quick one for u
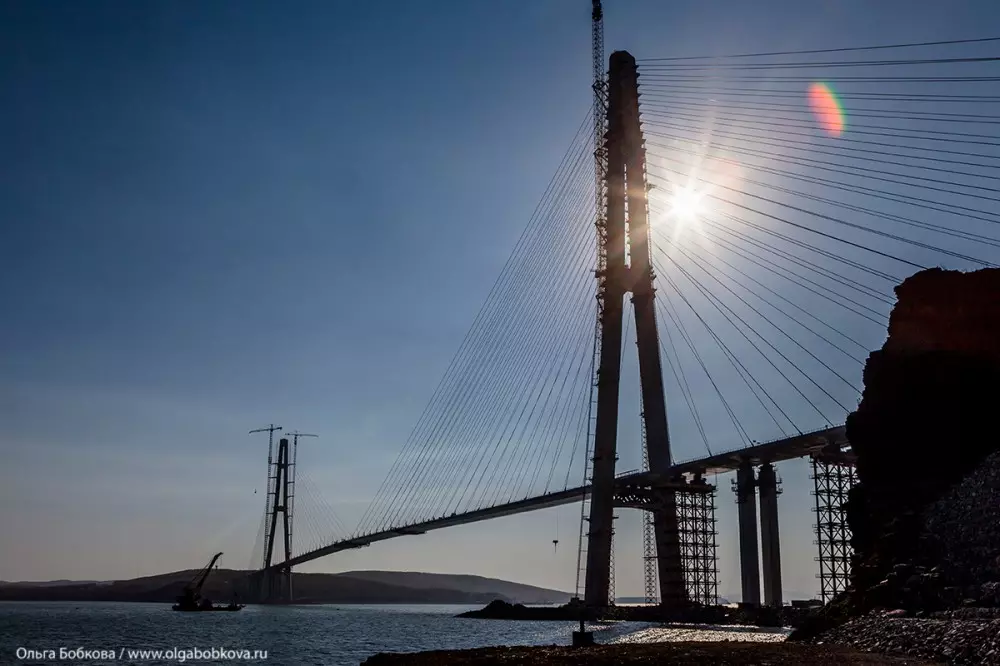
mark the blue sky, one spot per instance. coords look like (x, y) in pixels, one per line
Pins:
(221, 214)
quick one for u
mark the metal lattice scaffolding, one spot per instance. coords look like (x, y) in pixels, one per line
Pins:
(611, 564)
(272, 479)
(650, 582)
(696, 527)
(832, 480)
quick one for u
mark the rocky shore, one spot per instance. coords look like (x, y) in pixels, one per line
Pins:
(946, 639)
(649, 654)
(760, 617)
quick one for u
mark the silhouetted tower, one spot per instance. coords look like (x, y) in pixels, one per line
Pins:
(269, 494)
(280, 586)
(622, 273)
(274, 581)
(290, 487)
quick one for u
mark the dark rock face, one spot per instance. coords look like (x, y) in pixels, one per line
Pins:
(927, 429)
(925, 514)
(925, 422)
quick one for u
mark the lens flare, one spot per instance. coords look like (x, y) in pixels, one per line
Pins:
(685, 204)
(827, 109)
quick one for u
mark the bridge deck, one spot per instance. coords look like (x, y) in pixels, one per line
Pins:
(788, 448)
(798, 446)
(531, 504)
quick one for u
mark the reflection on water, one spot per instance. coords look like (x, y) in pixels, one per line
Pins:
(703, 632)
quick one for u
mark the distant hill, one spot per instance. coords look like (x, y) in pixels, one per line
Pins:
(381, 587)
(515, 592)
(45, 583)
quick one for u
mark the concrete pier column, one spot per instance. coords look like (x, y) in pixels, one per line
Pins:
(770, 548)
(746, 500)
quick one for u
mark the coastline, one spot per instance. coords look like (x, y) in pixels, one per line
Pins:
(683, 653)
(681, 643)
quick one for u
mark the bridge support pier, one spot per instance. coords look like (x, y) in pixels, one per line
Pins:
(770, 547)
(694, 503)
(746, 500)
(271, 586)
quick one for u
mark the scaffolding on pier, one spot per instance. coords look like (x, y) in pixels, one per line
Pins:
(832, 480)
(696, 527)
(650, 582)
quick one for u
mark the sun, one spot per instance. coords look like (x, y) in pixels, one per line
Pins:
(686, 204)
(686, 209)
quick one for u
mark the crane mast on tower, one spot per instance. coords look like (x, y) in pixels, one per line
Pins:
(600, 96)
(271, 478)
(600, 179)
(600, 113)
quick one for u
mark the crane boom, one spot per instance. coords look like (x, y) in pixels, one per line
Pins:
(198, 581)
(191, 599)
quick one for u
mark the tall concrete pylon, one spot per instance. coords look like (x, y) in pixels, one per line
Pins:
(626, 191)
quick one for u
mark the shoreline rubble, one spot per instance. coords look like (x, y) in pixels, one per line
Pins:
(650, 654)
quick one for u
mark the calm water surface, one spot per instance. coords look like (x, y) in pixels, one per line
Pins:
(330, 634)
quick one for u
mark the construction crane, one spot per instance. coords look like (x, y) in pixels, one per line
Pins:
(600, 90)
(191, 599)
(271, 477)
(597, 34)
(599, 112)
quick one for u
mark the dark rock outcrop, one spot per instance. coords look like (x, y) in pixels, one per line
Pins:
(924, 515)
(761, 617)
(925, 422)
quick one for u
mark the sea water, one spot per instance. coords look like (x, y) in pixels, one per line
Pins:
(335, 634)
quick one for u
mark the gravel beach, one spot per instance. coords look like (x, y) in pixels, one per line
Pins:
(683, 654)
(952, 641)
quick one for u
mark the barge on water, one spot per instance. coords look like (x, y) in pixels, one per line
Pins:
(190, 600)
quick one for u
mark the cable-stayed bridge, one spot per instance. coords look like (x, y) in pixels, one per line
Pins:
(740, 222)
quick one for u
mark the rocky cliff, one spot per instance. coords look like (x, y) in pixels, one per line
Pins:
(925, 514)
(927, 420)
